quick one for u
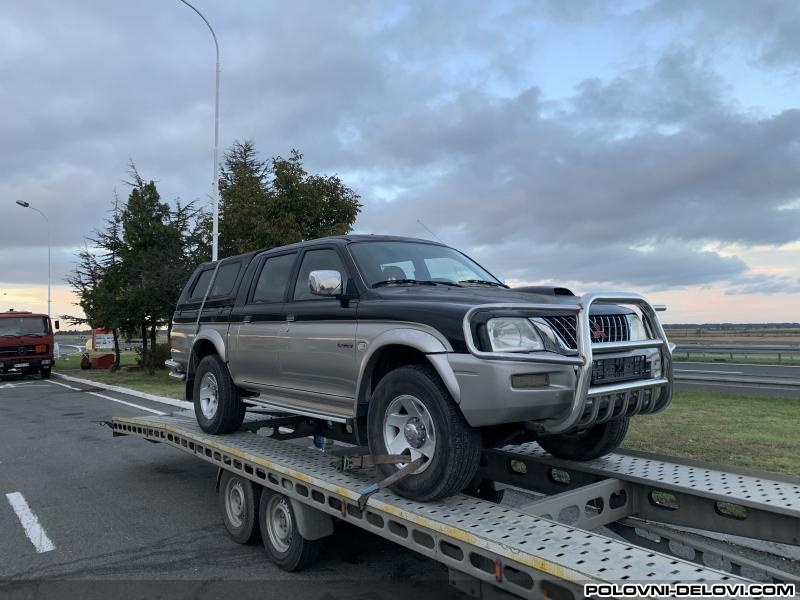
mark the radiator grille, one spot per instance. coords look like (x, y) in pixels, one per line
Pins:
(604, 328)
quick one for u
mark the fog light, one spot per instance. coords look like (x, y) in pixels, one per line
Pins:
(531, 380)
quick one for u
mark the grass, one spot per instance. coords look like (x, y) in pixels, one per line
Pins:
(787, 336)
(159, 383)
(753, 432)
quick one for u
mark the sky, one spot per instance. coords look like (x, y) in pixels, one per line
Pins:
(647, 146)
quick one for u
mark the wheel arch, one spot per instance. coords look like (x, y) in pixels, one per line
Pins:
(399, 347)
(205, 344)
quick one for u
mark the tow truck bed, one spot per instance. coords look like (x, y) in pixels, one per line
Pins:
(487, 546)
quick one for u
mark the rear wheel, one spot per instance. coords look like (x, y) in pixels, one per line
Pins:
(588, 444)
(45, 372)
(239, 501)
(286, 547)
(412, 413)
(218, 403)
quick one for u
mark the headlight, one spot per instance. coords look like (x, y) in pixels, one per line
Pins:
(513, 334)
(636, 328)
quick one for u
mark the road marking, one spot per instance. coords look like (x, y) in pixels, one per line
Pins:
(716, 372)
(13, 385)
(65, 385)
(30, 523)
(157, 412)
(780, 366)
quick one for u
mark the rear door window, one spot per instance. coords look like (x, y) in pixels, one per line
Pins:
(225, 280)
(274, 278)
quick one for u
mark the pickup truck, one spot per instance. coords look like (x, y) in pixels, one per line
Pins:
(416, 350)
(26, 344)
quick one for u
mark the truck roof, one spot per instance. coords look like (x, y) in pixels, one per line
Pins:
(337, 239)
(24, 313)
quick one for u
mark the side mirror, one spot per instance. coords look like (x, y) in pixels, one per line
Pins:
(57, 324)
(325, 283)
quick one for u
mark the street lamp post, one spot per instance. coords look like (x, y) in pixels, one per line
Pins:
(24, 204)
(215, 191)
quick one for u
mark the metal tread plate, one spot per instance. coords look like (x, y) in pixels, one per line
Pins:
(759, 492)
(560, 551)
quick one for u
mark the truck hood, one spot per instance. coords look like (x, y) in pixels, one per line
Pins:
(477, 294)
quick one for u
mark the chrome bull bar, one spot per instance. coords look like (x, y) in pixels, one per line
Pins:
(588, 402)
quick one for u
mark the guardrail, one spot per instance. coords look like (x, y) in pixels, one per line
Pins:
(731, 351)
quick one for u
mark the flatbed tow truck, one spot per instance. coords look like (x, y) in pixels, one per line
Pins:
(549, 547)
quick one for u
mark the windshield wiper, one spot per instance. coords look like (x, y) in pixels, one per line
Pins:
(404, 282)
(33, 334)
(484, 282)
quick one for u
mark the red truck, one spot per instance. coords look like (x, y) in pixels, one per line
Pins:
(26, 343)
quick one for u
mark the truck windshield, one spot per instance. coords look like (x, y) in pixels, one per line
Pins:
(15, 326)
(415, 262)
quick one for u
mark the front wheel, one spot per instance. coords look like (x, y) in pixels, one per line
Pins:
(45, 372)
(588, 444)
(218, 403)
(412, 413)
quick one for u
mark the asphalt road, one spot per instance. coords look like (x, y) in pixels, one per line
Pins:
(130, 519)
(715, 369)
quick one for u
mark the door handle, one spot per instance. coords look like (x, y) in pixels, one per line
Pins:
(290, 318)
(247, 319)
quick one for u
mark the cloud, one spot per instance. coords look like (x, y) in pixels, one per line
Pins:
(562, 141)
(764, 284)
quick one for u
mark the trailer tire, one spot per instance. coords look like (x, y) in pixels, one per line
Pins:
(45, 372)
(239, 503)
(218, 402)
(282, 540)
(589, 444)
(440, 431)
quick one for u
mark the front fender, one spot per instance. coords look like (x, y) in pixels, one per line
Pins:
(428, 341)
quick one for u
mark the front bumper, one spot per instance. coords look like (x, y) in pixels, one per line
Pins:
(567, 400)
(23, 365)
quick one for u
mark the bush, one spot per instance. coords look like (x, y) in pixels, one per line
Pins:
(162, 352)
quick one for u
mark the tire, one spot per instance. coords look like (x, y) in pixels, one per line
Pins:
(285, 546)
(239, 503)
(45, 372)
(415, 393)
(588, 444)
(218, 403)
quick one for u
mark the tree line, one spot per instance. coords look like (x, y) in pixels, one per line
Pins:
(129, 274)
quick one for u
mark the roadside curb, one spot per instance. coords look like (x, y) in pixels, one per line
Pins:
(127, 391)
(743, 379)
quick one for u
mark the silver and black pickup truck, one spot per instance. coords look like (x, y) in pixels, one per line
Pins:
(413, 348)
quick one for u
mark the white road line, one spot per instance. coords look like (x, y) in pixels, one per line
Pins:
(745, 386)
(69, 387)
(716, 372)
(158, 412)
(30, 523)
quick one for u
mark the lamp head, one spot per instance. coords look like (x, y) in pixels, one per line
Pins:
(23, 204)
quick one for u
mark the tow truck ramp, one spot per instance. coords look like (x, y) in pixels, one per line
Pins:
(495, 551)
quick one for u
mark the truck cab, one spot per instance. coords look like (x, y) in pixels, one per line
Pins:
(26, 344)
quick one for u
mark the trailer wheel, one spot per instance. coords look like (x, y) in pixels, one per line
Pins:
(45, 372)
(239, 501)
(218, 403)
(286, 547)
(588, 444)
(411, 412)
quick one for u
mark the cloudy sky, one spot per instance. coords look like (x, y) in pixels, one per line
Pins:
(649, 146)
